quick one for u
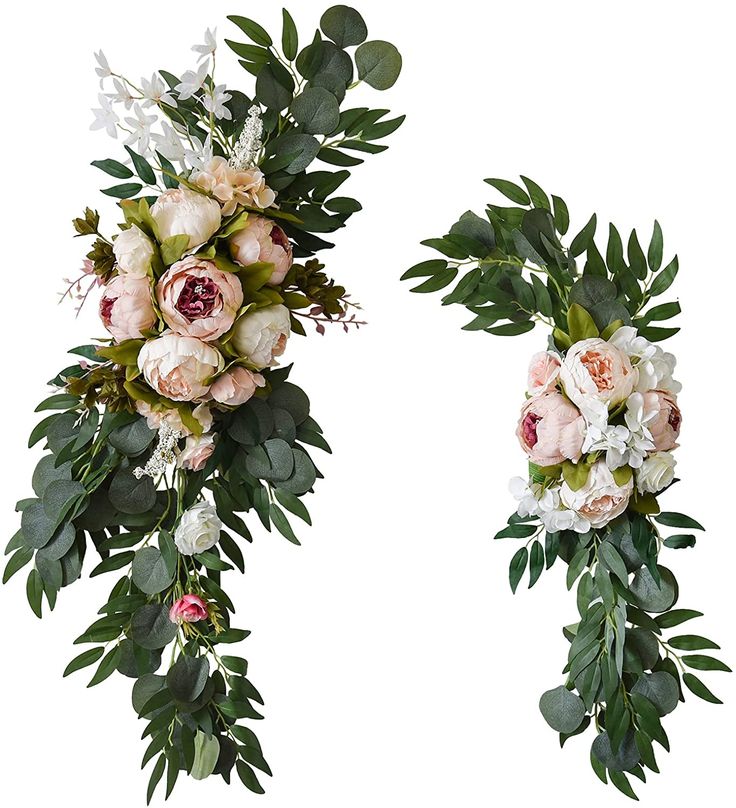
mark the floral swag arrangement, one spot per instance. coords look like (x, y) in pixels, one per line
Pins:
(183, 420)
(599, 427)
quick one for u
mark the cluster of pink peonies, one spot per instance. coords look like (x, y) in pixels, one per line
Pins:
(599, 427)
(186, 313)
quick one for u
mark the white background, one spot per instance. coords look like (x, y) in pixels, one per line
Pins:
(397, 667)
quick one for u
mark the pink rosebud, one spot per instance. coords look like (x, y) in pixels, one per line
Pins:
(196, 452)
(236, 386)
(665, 426)
(263, 240)
(551, 430)
(544, 369)
(188, 609)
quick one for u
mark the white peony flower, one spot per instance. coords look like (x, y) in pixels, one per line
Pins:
(198, 529)
(601, 499)
(261, 335)
(180, 211)
(656, 472)
(133, 252)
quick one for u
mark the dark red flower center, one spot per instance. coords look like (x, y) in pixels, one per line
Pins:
(106, 305)
(674, 419)
(529, 428)
(198, 298)
(279, 237)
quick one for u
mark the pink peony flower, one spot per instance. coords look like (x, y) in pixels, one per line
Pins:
(232, 187)
(263, 240)
(551, 430)
(236, 386)
(182, 212)
(178, 367)
(197, 299)
(196, 452)
(601, 499)
(158, 414)
(544, 370)
(597, 375)
(665, 426)
(188, 609)
(126, 308)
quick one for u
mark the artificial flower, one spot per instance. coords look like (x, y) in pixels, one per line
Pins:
(656, 472)
(551, 429)
(140, 129)
(179, 367)
(192, 81)
(261, 335)
(543, 373)
(209, 46)
(159, 414)
(155, 92)
(236, 386)
(198, 529)
(600, 499)
(105, 117)
(126, 308)
(133, 252)
(664, 426)
(180, 211)
(233, 187)
(188, 609)
(214, 101)
(196, 452)
(263, 240)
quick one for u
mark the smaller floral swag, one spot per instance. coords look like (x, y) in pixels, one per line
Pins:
(161, 436)
(599, 427)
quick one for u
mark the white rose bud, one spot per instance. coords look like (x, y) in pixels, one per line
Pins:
(133, 252)
(261, 335)
(198, 530)
(656, 472)
(180, 211)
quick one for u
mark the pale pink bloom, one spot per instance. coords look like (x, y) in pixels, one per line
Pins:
(232, 187)
(260, 335)
(597, 375)
(665, 426)
(263, 240)
(196, 452)
(551, 430)
(601, 499)
(544, 370)
(197, 299)
(236, 386)
(159, 414)
(179, 367)
(133, 253)
(188, 609)
(126, 308)
(180, 211)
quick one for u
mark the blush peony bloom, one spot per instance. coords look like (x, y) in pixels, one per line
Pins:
(261, 335)
(665, 425)
(180, 211)
(188, 609)
(178, 367)
(157, 415)
(551, 429)
(197, 299)
(263, 240)
(601, 499)
(198, 529)
(232, 187)
(133, 252)
(196, 452)
(126, 308)
(544, 370)
(597, 375)
(656, 472)
(236, 386)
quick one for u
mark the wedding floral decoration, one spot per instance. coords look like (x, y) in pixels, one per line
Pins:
(183, 418)
(600, 427)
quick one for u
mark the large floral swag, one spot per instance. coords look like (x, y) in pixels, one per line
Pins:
(160, 437)
(599, 427)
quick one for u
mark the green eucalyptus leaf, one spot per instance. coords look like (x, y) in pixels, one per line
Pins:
(379, 64)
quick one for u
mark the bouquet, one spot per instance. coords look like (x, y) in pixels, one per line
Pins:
(162, 434)
(599, 427)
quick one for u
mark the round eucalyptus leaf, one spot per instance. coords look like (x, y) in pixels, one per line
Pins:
(145, 688)
(649, 596)
(293, 399)
(62, 431)
(130, 495)
(133, 438)
(284, 426)
(274, 460)
(205, 697)
(344, 26)
(379, 64)
(303, 477)
(60, 497)
(136, 661)
(47, 472)
(562, 709)
(71, 565)
(273, 89)
(316, 110)
(625, 758)
(336, 65)
(150, 572)
(608, 312)
(252, 423)
(302, 148)
(661, 689)
(187, 677)
(37, 526)
(151, 628)
(50, 571)
(643, 645)
(590, 290)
